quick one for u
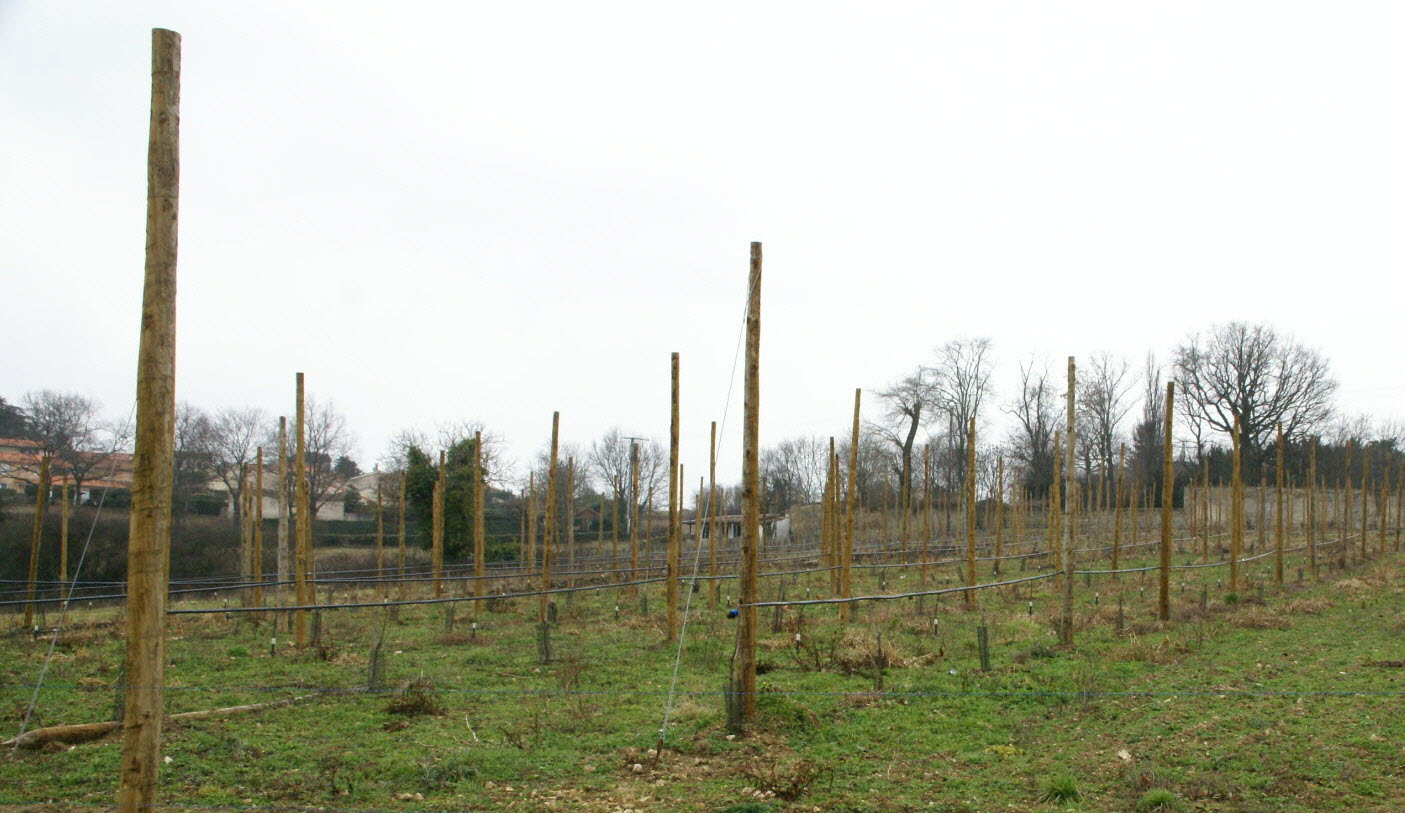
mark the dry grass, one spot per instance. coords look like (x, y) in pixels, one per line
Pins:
(1259, 618)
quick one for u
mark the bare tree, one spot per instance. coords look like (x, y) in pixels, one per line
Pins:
(1254, 374)
(608, 460)
(73, 441)
(1037, 410)
(962, 378)
(907, 403)
(1104, 385)
(793, 472)
(328, 439)
(194, 454)
(237, 433)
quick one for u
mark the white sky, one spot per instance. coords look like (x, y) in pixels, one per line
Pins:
(497, 210)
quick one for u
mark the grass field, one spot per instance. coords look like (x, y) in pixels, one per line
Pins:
(1292, 702)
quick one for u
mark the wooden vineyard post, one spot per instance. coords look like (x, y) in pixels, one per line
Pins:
(1205, 503)
(246, 544)
(999, 509)
(846, 556)
(1365, 493)
(480, 525)
(63, 536)
(1054, 509)
(1119, 495)
(380, 540)
(1278, 517)
(1382, 507)
(436, 531)
(633, 516)
(400, 540)
(149, 530)
(1344, 515)
(36, 536)
(258, 533)
(549, 520)
(745, 681)
(300, 518)
(529, 562)
(1311, 525)
(1399, 502)
(715, 586)
(569, 538)
(1236, 514)
(283, 563)
(674, 498)
(926, 507)
(970, 492)
(1168, 486)
(1070, 505)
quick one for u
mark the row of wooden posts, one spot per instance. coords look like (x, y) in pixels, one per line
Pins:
(152, 480)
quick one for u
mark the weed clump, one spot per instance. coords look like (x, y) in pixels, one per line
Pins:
(1063, 788)
(415, 700)
(1158, 799)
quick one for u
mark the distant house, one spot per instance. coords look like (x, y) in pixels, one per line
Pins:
(773, 526)
(333, 509)
(19, 469)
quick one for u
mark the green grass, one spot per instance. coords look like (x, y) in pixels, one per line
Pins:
(1242, 707)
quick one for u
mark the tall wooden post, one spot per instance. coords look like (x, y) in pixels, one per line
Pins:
(400, 539)
(970, 489)
(633, 515)
(380, 540)
(149, 533)
(36, 536)
(1311, 524)
(999, 509)
(480, 545)
(751, 491)
(63, 536)
(851, 487)
(1117, 507)
(436, 530)
(1344, 515)
(1236, 512)
(301, 521)
(1365, 493)
(675, 486)
(926, 508)
(570, 521)
(258, 533)
(530, 560)
(549, 519)
(284, 565)
(1278, 516)
(1070, 504)
(712, 516)
(1168, 488)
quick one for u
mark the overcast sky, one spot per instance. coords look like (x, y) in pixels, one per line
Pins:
(492, 211)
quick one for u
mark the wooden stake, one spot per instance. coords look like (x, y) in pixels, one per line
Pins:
(1168, 487)
(751, 491)
(301, 521)
(970, 489)
(284, 565)
(846, 556)
(1070, 505)
(570, 519)
(480, 525)
(675, 486)
(633, 515)
(1117, 507)
(149, 534)
(712, 517)
(1365, 492)
(258, 532)
(999, 509)
(63, 537)
(380, 541)
(400, 542)
(549, 519)
(36, 535)
(436, 529)
(1311, 524)
(1236, 530)
(1278, 518)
